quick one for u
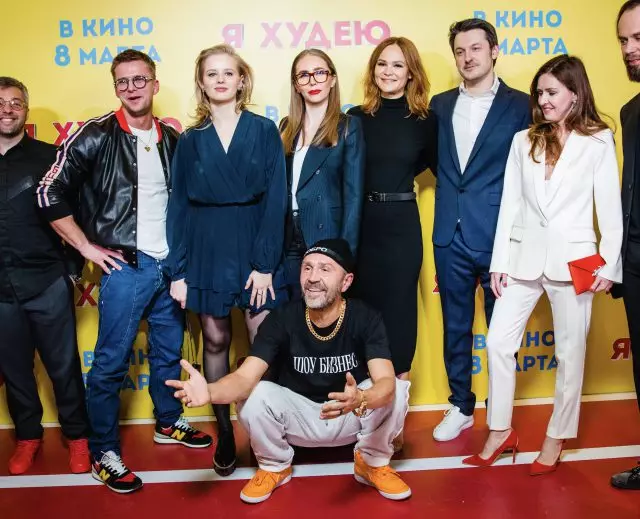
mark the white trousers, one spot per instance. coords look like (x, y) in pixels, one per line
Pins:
(571, 318)
(277, 418)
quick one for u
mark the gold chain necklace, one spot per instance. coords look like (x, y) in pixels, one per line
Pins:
(343, 308)
(147, 145)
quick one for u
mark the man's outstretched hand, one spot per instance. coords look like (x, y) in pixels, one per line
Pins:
(193, 392)
(342, 403)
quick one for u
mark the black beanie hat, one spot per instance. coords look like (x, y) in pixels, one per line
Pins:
(337, 249)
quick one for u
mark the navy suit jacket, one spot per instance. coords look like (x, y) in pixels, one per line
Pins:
(331, 187)
(473, 198)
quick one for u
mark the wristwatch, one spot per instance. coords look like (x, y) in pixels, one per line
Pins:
(362, 408)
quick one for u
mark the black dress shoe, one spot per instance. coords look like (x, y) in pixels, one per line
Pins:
(627, 480)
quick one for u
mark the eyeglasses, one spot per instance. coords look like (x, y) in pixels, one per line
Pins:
(139, 82)
(15, 104)
(320, 76)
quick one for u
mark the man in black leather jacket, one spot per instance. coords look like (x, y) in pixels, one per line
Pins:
(119, 164)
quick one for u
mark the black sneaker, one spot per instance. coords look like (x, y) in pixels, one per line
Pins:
(627, 480)
(182, 432)
(112, 472)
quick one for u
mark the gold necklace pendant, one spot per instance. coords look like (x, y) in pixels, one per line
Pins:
(335, 330)
(147, 145)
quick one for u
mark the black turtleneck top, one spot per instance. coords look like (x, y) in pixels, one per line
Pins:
(399, 146)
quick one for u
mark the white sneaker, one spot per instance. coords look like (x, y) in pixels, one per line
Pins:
(453, 423)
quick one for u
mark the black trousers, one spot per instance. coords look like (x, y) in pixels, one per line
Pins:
(46, 323)
(631, 295)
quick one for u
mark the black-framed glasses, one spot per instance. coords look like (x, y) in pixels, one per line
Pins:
(15, 104)
(320, 76)
(139, 82)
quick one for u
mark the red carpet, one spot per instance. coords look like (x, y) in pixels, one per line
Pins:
(579, 489)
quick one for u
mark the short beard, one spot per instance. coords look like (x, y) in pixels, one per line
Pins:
(139, 113)
(633, 73)
(321, 304)
(11, 134)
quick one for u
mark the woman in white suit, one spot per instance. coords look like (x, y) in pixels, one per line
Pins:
(557, 171)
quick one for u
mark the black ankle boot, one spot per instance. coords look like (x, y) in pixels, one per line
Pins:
(224, 459)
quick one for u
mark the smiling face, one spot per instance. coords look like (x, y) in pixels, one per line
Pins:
(12, 120)
(220, 78)
(314, 80)
(474, 56)
(391, 73)
(137, 102)
(322, 281)
(629, 38)
(554, 98)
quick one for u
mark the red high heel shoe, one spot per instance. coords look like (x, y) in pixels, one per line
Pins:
(538, 469)
(510, 444)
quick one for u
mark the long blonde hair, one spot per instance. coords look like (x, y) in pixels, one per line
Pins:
(417, 89)
(243, 97)
(327, 134)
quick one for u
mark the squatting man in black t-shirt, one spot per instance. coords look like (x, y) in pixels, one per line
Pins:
(317, 345)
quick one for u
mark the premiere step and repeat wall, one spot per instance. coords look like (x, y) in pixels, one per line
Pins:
(63, 55)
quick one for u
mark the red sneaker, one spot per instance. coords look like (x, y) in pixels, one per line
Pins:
(79, 461)
(23, 456)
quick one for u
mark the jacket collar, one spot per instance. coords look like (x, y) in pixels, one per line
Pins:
(122, 121)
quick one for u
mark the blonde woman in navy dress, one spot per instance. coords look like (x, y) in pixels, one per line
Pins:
(226, 217)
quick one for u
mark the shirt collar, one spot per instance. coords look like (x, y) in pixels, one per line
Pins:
(492, 91)
(20, 145)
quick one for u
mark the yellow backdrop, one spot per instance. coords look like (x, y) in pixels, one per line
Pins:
(63, 55)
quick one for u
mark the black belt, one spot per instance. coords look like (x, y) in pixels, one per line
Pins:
(374, 196)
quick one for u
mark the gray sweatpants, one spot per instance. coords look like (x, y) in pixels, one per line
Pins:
(277, 418)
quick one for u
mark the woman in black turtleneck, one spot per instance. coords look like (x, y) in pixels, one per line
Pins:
(401, 141)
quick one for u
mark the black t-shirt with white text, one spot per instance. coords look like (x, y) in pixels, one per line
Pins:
(315, 368)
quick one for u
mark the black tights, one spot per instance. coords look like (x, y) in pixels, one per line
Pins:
(216, 334)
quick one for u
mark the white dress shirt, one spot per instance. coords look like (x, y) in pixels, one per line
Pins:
(469, 115)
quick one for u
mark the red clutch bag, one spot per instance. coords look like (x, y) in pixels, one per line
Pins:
(584, 270)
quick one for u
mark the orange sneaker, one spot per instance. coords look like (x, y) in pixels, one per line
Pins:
(384, 479)
(79, 461)
(23, 456)
(262, 484)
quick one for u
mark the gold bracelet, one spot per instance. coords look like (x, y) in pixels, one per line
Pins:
(362, 408)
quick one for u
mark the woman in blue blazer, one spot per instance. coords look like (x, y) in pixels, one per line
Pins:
(324, 151)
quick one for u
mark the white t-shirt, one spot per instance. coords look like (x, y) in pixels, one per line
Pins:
(298, 160)
(152, 196)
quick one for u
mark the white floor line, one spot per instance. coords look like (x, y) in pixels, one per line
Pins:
(533, 401)
(311, 470)
(414, 408)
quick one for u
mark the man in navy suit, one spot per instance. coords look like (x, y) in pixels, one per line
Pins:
(477, 122)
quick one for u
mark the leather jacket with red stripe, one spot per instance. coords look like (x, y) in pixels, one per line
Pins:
(95, 178)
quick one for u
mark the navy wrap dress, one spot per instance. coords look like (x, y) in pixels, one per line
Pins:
(226, 214)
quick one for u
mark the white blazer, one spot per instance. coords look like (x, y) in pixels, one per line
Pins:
(539, 234)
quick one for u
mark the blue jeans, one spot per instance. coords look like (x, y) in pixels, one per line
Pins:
(126, 297)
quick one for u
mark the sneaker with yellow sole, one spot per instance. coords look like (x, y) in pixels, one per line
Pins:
(263, 483)
(384, 479)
